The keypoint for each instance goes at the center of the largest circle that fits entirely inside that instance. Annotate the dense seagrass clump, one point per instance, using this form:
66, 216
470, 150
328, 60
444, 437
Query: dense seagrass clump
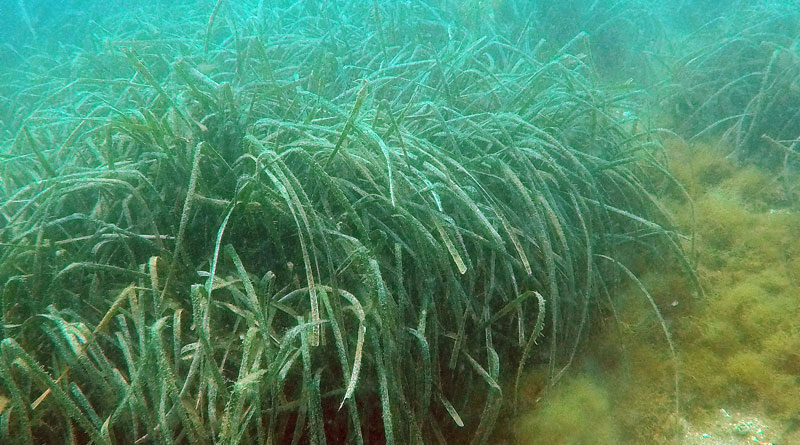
344, 223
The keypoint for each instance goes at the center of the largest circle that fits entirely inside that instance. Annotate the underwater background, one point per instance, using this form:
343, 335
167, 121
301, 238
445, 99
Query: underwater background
400, 221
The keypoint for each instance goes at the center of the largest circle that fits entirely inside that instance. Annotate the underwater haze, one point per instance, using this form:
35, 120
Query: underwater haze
399, 221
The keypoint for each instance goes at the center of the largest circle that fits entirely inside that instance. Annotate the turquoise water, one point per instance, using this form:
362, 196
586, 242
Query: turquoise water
404, 221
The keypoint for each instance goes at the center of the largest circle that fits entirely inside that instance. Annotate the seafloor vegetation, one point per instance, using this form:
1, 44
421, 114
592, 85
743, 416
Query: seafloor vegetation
397, 221
737, 347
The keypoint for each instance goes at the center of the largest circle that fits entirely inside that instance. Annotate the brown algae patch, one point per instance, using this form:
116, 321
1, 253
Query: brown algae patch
738, 345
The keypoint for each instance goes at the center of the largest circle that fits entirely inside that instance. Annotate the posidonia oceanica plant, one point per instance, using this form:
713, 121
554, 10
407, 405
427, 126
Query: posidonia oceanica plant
304, 224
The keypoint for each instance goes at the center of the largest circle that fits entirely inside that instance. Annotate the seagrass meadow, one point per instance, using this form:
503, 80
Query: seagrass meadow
398, 221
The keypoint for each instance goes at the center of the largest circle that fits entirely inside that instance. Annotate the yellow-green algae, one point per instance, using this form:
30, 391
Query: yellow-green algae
578, 412
738, 345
